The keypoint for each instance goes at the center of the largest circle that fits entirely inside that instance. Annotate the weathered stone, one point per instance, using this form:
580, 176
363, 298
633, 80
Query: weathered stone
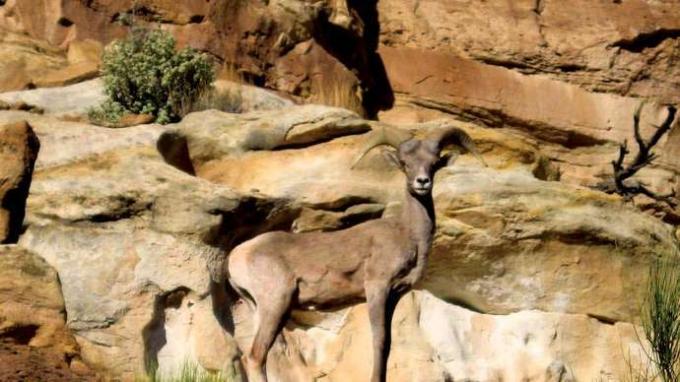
68, 75
85, 51
252, 98
623, 47
135, 242
128, 120
258, 37
506, 241
18, 152
436, 341
77, 98
25, 59
32, 316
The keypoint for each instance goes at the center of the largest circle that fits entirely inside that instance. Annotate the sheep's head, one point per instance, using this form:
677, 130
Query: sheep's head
419, 159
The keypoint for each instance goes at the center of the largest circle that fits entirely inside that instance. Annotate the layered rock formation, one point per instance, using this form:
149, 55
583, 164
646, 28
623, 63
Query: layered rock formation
135, 242
530, 278
568, 75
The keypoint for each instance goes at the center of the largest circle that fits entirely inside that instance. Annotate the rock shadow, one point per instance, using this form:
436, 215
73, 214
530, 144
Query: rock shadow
358, 51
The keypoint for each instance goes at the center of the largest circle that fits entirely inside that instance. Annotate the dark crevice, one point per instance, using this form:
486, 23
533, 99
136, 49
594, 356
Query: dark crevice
568, 68
602, 319
129, 210
514, 65
496, 118
20, 335
647, 40
153, 333
357, 51
175, 151
64, 22
196, 19
252, 217
539, 6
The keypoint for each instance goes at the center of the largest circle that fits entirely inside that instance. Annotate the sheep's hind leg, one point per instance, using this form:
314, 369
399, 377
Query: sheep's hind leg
271, 309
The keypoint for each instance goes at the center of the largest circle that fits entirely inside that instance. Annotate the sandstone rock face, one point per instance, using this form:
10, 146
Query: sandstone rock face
567, 74
24, 59
32, 320
626, 47
436, 341
138, 245
77, 98
132, 239
285, 44
30, 62
18, 151
529, 278
506, 241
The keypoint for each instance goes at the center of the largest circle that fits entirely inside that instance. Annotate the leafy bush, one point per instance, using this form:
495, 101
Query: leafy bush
661, 318
143, 74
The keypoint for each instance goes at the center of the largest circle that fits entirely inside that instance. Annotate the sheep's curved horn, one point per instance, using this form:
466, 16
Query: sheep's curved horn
456, 136
380, 136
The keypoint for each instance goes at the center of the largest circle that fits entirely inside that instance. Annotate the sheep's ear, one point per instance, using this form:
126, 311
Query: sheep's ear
391, 157
448, 158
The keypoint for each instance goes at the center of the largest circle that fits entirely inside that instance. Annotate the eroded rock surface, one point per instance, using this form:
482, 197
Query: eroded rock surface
18, 152
506, 241
137, 245
436, 341
132, 239
34, 341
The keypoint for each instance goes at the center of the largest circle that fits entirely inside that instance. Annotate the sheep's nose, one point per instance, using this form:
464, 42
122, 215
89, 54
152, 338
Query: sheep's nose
423, 180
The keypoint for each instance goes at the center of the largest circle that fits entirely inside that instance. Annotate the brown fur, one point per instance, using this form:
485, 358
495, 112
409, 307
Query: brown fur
277, 271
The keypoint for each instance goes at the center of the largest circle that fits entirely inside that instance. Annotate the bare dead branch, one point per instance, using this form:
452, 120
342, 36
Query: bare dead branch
621, 183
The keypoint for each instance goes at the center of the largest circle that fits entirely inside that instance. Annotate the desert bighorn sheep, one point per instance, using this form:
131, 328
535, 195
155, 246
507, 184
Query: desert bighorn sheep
278, 271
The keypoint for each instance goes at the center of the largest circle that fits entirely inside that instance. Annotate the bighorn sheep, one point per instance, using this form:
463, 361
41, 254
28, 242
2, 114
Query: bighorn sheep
278, 271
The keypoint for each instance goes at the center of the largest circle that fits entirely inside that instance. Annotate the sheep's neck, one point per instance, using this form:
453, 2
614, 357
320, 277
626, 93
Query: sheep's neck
418, 216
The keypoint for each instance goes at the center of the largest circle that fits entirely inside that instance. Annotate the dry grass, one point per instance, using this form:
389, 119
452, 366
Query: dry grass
228, 100
230, 72
189, 372
333, 91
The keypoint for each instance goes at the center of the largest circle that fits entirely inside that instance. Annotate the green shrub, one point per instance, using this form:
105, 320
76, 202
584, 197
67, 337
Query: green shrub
661, 318
143, 74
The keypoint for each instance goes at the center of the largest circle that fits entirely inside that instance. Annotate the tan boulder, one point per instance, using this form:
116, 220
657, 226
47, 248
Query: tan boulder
24, 59
18, 152
34, 339
85, 51
73, 100
71, 74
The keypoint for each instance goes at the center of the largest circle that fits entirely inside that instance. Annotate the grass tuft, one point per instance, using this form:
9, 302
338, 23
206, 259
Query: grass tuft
188, 372
661, 317
335, 92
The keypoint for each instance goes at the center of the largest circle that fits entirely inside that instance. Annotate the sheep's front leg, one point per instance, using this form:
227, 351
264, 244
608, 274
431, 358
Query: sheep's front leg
377, 293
